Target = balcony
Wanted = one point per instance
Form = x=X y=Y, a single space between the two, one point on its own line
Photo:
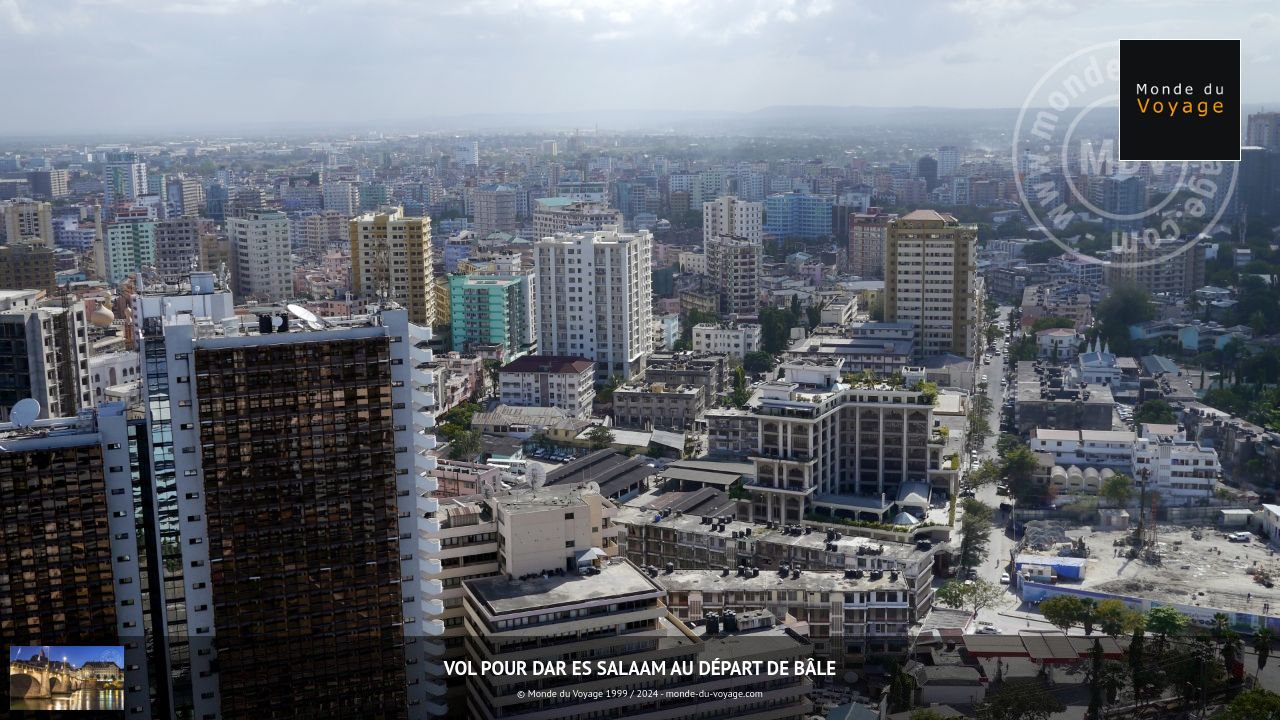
x=430 y=587
x=428 y=483
x=424 y=398
x=423 y=376
x=430 y=546
x=421 y=355
x=435 y=687
x=426 y=463
x=419 y=333
x=433 y=668
x=431 y=566
x=430 y=526
x=424 y=440
x=433 y=628
x=434 y=607
x=427 y=504
x=424 y=420
x=435 y=709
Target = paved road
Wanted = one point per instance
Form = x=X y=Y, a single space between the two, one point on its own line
x=1001 y=544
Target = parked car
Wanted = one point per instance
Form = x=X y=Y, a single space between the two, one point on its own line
x=1004 y=578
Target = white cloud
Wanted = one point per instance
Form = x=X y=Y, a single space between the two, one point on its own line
x=12 y=18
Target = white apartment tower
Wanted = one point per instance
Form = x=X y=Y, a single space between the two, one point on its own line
x=727 y=215
x=262 y=266
x=343 y=197
x=595 y=295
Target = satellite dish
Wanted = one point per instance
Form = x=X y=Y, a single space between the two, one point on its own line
x=277 y=321
x=591 y=488
x=307 y=317
x=25 y=412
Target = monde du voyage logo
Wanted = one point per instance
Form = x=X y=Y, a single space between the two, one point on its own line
x=1180 y=100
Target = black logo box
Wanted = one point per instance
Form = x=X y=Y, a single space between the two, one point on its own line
x=1186 y=65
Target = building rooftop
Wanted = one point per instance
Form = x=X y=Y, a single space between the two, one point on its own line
x=548 y=364
x=617 y=580
x=769 y=579
x=611 y=470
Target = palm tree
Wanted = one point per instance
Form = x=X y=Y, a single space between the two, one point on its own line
x=1262 y=645
x=1232 y=650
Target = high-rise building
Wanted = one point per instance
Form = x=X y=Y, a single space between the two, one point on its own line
x=927 y=168
x=27 y=221
x=124 y=178
x=727 y=215
x=49 y=184
x=262 y=265
x=797 y=214
x=931 y=280
x=45 y=355
x=1264 y=131
x=71 y=551
x=868 y=233
x=734 y=266
x=948 y=161
x=557 y=215
x=320 y=231
x=342 y=197
x=184 y=196
x=466 y=152
x=1122 y=200
x=127 y=248
x=1258 y=183
x=1160 y=267
x=595 y=299
x=378 y=242
x=177 y=247
x=489 y=315
x=494 y=209
x=28 y=267
x=292 y=482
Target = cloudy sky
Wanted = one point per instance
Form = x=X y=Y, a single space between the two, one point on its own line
x=147 y=65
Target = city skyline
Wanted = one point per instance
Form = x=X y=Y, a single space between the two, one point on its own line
x=76 y=655
x=762 y=54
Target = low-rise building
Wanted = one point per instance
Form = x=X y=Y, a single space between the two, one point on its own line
x=1057 y=343
x=726 y=339
x=549 y=381
x=660 y=406
x=1045 y=398
x=1174 y=466
x=708 y=371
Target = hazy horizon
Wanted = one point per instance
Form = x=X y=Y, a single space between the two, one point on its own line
x=106 y=67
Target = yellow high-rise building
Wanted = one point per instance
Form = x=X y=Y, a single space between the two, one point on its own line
x=931 y=280
x=391 y=258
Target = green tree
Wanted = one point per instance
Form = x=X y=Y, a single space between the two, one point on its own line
x=987 y=472
x=600 y=437
x=876 y=309
x=1256 y=704
x=1020 y=699
x=972 y=594
x=605 y=393
x=1097 y=692
x=1063 y=611
x=1115 y=618
x=465 y=445
x=975 y=532
x=1165 y=622
x=1006 y=443
x=757 y=362
x=1262 y=646
x=1154 y=411
x=1050 y=322
x=1118 y=489
x=739 y=396
x=1018 y=468
x=1127 y=304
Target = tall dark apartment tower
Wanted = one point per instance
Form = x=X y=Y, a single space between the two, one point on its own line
x=290 y=488
x=927 y=168
x=69 y=572
x=298 y=449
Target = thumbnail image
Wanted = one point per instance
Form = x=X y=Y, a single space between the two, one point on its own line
x=66 y=677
